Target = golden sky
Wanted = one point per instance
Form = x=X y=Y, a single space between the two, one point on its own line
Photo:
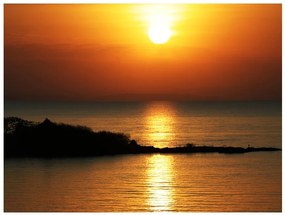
x=103 y=52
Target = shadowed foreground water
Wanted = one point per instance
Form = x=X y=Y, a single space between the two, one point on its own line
x=198 y=182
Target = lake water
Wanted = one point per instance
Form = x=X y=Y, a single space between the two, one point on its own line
x=146 y=183
x=163 y=124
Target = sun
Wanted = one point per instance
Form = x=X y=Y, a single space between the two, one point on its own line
x=159 y=34
x=159 y=31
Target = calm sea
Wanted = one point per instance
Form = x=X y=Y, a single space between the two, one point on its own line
x=185 y=182
x=138 y=183
x=166 y=124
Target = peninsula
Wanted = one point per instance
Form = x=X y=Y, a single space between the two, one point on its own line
x=48 y=139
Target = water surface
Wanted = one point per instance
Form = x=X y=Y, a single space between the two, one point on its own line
x=145 y=183
x=168 y=124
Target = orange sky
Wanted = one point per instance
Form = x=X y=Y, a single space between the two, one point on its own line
x=102 y=52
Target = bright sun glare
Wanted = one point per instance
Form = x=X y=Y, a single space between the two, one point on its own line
x=159 y=31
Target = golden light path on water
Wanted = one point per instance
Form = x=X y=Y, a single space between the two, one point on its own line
x=159 y=120
x=160 y=180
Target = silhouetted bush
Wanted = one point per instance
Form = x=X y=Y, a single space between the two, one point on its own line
x=48 y=139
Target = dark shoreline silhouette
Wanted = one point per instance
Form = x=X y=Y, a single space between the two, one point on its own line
x=24 y=138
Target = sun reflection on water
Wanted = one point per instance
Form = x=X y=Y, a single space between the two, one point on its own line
x=159 y=121
x=160 y=181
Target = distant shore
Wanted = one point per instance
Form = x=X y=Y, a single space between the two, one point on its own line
x=47 y=139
